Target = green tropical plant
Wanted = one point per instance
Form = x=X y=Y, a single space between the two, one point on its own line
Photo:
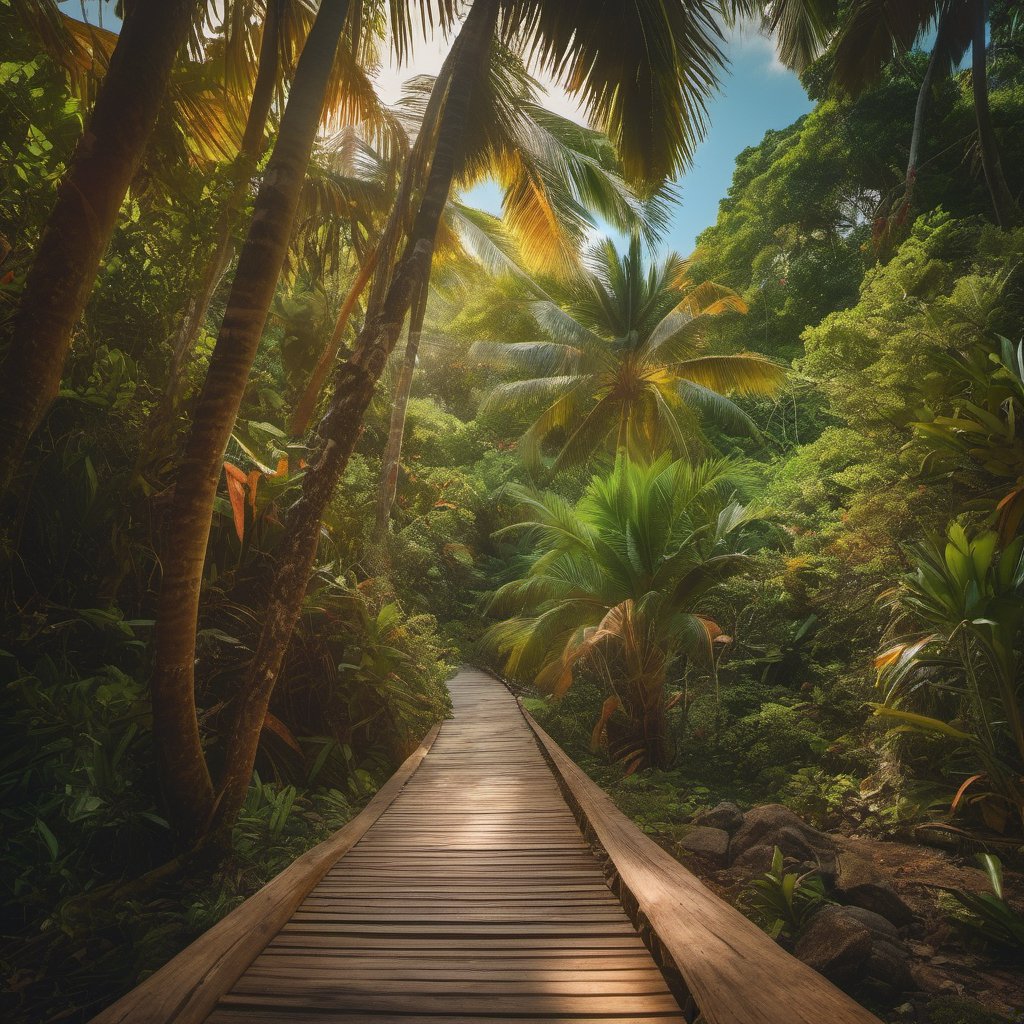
x=987 y=915
x=783 y=902
x=964 y=599
x=983 y=432
x=867 y=34
x=624 y=362
x=619 y=579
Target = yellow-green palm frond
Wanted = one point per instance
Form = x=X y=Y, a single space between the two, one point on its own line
x=743 y=374
x=803 y=28
x=590 y=434
x=82 y=50
x=716 y=408
x=643 y=71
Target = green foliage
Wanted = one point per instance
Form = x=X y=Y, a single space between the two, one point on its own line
x=964 y=600
x=987 y=916
x=783 y=902
x=617 y=580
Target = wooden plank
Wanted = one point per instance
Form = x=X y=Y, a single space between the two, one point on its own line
x=187 y=987
x=735 y=972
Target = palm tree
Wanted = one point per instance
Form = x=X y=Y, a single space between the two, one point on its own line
x=554 y=175
x=623 y=362
x=644 y=72
x=867 y=34
x=68 y=255
x=619 y=579
x=185 y=778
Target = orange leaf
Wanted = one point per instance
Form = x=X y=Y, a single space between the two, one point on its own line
x=608 y=708
x=963 y=789
x=236 y=494
x=274 y=724
x=251 y=481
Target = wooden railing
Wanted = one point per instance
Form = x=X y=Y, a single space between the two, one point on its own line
x=186 y=989
x=732 y=971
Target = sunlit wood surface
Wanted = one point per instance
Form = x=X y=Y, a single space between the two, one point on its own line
x=473 y=897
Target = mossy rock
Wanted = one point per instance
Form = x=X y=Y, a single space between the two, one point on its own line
x=954 y=1010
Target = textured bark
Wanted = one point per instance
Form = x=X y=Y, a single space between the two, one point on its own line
x=253 y=137
x=306 y=405
x=396 y=433
x=1003 y=204
x=354 y=385
x=193 y=315
x=84 y=216
x=184 y=775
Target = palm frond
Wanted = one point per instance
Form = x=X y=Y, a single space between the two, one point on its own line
x=744 y=374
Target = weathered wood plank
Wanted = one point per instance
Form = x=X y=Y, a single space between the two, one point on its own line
x=735 y=972
x=187 y=988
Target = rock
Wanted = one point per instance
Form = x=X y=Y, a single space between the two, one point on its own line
x=875 y=923
x=860 y=883
x=835 y=945
x=857 y=949
x=725 y=816
x=711 y=844
x=773 y=825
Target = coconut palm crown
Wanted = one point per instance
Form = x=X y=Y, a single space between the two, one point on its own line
x=623 y=363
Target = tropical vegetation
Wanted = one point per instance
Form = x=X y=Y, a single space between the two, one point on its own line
x=308 y=397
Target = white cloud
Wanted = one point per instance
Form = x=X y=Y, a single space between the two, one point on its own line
x=428 y=54
x=747 y=40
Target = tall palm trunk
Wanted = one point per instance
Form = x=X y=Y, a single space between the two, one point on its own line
x=1003 y=204
x=396 y=433
x=353 y=390
x=306 y=405
x=920 y=110
x=185 y=778
x=194 y=313
x=78 y=230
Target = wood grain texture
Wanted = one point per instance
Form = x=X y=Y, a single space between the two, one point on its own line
x=466 y=891
x=187 y=988
x=474 y=897
x=734 y=971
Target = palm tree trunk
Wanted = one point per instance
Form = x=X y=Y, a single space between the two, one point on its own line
x=198 y=304
x=354 y=385
x=306 y=405
x=1003 y=203
x=78 y=230
x=919 y=115
x=184 y=775
x=396 y=433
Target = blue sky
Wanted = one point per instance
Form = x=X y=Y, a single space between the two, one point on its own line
x=757 y=94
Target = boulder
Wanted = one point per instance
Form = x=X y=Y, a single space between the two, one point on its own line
x=726 y=816
x=857 y=949
x=859 y=883
x=773 y=825
x=836 y=945
x=711 y=844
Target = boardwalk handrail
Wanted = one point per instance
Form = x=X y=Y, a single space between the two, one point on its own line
x=186 y=989
x=733 y=971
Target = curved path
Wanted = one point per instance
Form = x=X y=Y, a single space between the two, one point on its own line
x=473 y=897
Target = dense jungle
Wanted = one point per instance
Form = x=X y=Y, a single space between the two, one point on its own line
x=309 y=397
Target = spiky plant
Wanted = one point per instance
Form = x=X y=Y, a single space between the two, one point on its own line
x=619 y=579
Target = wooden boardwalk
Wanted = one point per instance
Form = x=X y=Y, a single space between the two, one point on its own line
x=473 y=897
